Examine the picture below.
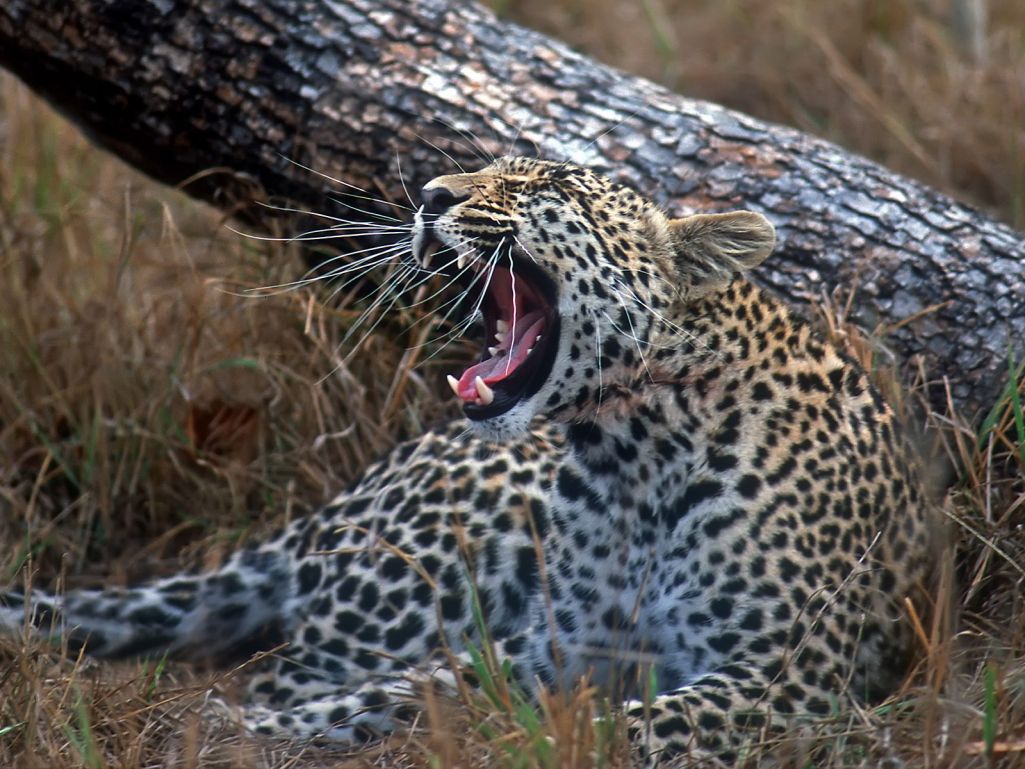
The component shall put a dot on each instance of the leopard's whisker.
(660, 318)
(328, 233)
(370, 212)
(459, 329)
(598, 363)
(525, 249)
(452, 280)
(637, 340)
(434, 146)
(512, 283)
(349, 185)
(385, 292)
(471, 140)
(633, 332)
(386, 219)
(402, 181)
(372, 258)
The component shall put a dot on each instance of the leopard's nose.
(437, 198)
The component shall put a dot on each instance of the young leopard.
(665, 468)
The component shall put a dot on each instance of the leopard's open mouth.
(521, 329)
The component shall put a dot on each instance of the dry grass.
(149, 415)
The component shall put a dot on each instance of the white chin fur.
(505, 427)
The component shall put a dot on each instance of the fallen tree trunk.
(384, 93)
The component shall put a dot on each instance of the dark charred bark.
(227, 92)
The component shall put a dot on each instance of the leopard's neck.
(681, 411)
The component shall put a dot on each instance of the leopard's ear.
(711, 249)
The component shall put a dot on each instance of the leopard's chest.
(624, 582)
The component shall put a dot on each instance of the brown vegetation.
(154, 413)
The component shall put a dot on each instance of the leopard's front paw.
(663, 734)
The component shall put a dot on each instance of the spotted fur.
(710, 488)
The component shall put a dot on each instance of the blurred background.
(934, 89)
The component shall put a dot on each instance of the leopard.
(664, 483)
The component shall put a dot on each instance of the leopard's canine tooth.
(428, 253)
(454, 384)
(486, 394)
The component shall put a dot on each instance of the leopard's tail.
(200, 614)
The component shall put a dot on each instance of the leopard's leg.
(184, 615)
(292, 701)
(370, 710)
(725, 713)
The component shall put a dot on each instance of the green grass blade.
(1009, 393)
(81, 735)
(989, 709)
(4, 730)
(1019, 418)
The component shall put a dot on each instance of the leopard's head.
(576, 278)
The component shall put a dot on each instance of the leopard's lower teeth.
(454, 384)
(485, 393)
(502, 326)
(494, 351)
(501, 335)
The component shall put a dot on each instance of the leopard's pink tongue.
(514, 350)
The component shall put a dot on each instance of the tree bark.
(383, 94)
